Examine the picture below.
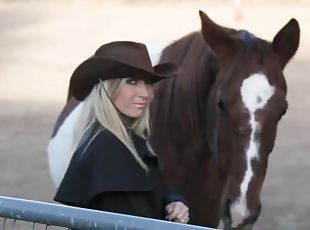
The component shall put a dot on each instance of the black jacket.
(107, 177)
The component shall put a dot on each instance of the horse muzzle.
(231, 222)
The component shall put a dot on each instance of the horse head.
(244, 107)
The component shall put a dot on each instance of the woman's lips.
(140, 105)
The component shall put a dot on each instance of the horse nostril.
(226, 208)
(226, 216)
(254, 215)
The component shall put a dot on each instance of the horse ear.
(286, 42)
(218, 38)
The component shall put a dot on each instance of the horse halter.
(246, 37)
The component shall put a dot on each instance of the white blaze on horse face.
(60, 147)
(255, 93)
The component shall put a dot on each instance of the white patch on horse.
(255, 93)
(60, 147)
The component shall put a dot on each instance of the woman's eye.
(131, 81)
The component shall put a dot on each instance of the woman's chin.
(134, 114)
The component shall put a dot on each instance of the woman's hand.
(178, 212)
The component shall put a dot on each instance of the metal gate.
(42, 215)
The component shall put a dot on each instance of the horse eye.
(283, 112)
(284, 109)
(221, 105)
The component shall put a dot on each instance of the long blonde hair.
(98, 107)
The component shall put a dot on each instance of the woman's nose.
(145, 90)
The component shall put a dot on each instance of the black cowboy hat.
(121, 59)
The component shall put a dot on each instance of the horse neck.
(185, 96)
(199, 68)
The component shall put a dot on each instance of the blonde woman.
(112, 168)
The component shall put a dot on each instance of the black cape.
(107, 177)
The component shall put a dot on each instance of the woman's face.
(134, 96)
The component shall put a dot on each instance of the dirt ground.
(42, 42)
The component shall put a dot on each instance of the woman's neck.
(127, 121)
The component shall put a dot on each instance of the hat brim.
(89, 72)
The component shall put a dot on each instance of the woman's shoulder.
(104, 137)
(107, 144)
(104, 141)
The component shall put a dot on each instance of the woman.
(112, 168)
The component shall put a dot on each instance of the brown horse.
(215, 124)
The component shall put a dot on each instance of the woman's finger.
(177, 212)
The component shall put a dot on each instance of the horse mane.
(183, 117)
